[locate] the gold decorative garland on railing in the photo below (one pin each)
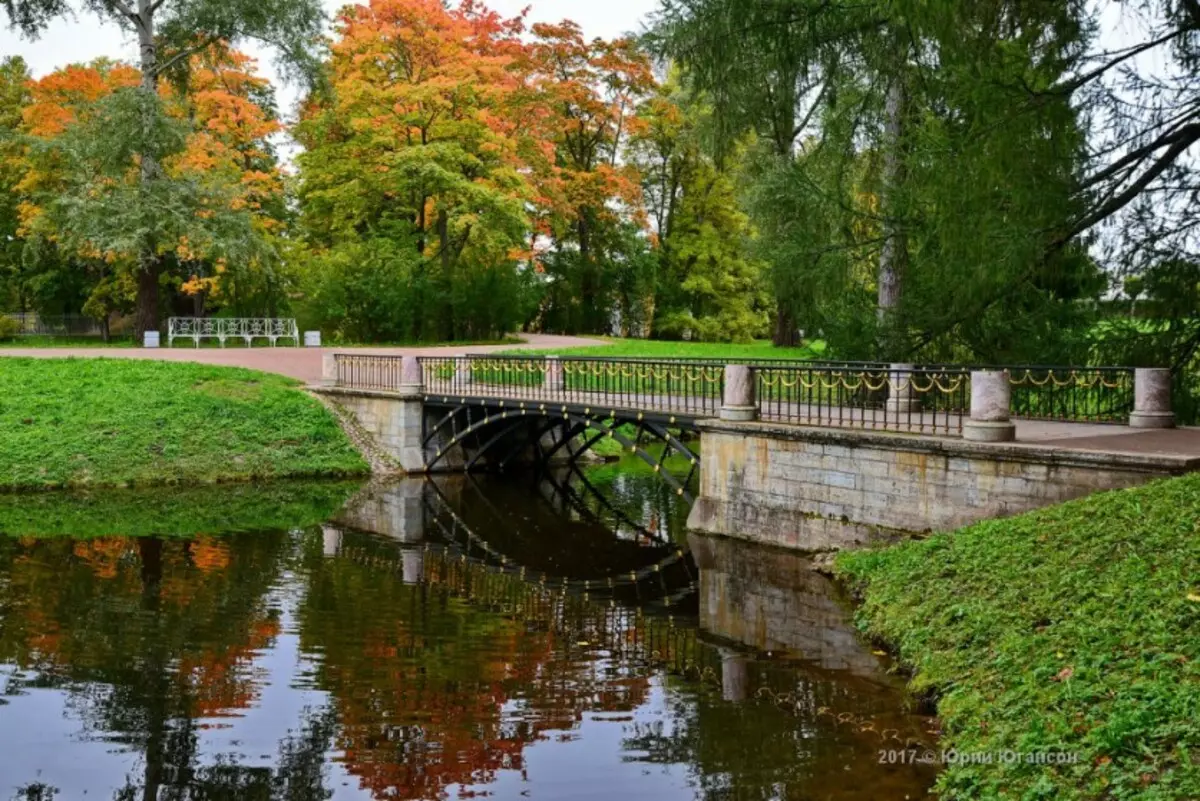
(705, 373)
(772, 379)
(1073, 379)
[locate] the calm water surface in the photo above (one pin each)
(558, 638)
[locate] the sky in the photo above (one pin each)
(86, 38)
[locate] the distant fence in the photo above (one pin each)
(56, 325)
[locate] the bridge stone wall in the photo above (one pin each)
(830, 489)
(772, 600)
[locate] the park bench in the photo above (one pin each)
(221, 329)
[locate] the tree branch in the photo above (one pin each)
(1166, 139)
(1088, 77)
(184, 54)
(1118, 202)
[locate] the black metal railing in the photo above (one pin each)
(910, 400)
(1078, 394)
(667, 386)
(360, 371)
(55, 325)
(924, 399)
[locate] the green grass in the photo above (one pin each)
(66, 342)
(112, 422)
(173, 511)
(1074, 629)
(655, 349)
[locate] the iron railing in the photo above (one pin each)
(56, 325)
(361, 371)
(924, 399)
(1087, 394)
(666, 386)
(911, 400)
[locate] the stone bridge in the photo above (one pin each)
(807, 455)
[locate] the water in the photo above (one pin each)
(556, 639)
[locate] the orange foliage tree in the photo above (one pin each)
(588, 93)
(453, 148)
(414, 145)
(220, 121)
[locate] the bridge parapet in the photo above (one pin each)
(946, 400)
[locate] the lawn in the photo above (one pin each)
(112, 422)
(657, 349)
(1071, 630)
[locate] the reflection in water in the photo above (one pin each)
(455, 638)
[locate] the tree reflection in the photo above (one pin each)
(447, 681)
(152, 639)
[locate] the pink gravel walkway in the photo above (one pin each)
(301, 363)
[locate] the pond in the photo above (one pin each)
(555, 637)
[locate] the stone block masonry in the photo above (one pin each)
(393, 420)
(816, 490)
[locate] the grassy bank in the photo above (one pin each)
(112, 422)
(1074, 630)
(184, 511)
(655, 349)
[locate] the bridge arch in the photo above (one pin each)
(539, 433)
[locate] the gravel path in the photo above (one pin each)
(301, 363)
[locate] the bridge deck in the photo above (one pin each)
(1111, 438)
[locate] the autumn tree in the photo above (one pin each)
(122, 199)
(82, 206)
(411, 164)
(586, 95)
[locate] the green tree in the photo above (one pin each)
(707, 286)
(14, 97)
(910, 195)
(133, 131)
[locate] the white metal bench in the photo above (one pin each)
(219, 328)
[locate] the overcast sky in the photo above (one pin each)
(87, 38)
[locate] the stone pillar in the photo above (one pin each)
(412, 565)
(412, 380)
(991, 399)
(733, 676)
(462, 373)
(329, 371)
(554, 375)
(740, 403)
(1152, 398)
(902, 398)
(331, 540)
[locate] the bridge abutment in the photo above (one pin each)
(815, 490)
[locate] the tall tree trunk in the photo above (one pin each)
(587, 278)
(893, 256)
(149, 264)
(443, 232)
(785, 329)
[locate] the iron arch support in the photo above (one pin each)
(642, 453)
(458, 437)
(518, 423)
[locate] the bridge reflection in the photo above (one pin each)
(592, 601)
(574, 539)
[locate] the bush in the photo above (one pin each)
(9, 328)
(384, 291)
